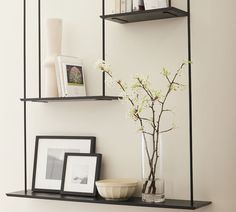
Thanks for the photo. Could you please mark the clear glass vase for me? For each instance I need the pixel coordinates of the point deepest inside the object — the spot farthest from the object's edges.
(153, 185)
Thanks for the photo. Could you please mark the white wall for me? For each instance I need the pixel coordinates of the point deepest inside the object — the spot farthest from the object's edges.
(140, 47)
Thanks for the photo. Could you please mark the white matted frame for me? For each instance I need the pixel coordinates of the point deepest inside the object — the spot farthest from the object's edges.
(80, 172)
(49, 159)
(70, 76)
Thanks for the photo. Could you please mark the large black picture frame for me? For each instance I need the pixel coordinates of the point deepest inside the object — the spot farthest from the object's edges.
(45, 147)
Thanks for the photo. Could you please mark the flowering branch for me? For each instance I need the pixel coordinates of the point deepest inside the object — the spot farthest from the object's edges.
(143, 99)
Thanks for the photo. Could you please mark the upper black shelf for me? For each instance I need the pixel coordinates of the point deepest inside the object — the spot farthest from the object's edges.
(136, 201)
(70, 99)
(146, 15)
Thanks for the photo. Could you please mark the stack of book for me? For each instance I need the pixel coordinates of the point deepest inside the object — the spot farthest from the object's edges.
(125, 6)
(122, 6)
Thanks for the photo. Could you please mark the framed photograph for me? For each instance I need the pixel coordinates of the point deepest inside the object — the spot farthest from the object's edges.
(49, 159)
(70, 76)
(80, 172)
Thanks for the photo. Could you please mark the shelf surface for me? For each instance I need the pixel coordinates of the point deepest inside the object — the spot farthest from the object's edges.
(136, 201)
(146, 15)
(68, 99)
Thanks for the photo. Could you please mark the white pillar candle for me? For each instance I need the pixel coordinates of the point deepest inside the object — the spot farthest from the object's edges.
(53, 42)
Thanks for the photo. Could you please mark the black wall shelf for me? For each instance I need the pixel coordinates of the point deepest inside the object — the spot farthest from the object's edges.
(72, 99)
(146, 15)
(163, 13)
(169, 203)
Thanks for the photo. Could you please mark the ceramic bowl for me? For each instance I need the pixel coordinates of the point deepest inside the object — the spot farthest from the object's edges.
(116, 189)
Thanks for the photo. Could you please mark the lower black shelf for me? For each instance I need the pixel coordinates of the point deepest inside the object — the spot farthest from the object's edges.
(136, 201)
(69, 99)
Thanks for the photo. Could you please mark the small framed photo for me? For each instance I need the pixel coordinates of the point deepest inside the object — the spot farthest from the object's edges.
(49, 159)
(70, 76)
(80, 172)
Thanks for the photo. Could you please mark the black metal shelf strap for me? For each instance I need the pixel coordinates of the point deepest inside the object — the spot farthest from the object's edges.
(39, 48)
(190, 101)
(103, 47)
(25, 94)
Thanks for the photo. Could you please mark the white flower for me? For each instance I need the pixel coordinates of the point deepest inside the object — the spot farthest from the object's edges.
(103, 66)
(156, 94)
(165, 72)
(133, 113)
(145, 103)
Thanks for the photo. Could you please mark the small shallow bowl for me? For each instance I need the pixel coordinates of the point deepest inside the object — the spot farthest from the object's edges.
(116, 189)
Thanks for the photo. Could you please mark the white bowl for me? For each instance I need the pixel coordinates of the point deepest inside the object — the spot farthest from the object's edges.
(116, 189)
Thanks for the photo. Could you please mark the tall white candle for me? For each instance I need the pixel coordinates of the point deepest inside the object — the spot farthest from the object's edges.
(53, 41)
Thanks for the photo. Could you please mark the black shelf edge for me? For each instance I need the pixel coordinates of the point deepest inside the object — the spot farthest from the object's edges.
(136, 201)
(146, 15)
(69, 99)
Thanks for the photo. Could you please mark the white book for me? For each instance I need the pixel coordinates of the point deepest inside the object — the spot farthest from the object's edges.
(123, 6)
(111, 6)
(162, 3)
(155, 4)
(137, 5)
(117, 6)
(128, 6)
(150, 4)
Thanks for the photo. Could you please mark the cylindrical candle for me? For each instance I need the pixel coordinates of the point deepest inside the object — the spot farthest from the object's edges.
(53, 42)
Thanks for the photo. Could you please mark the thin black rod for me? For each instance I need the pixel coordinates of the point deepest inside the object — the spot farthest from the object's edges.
(24, 90)
(169, 3)
(39, 45)
(103, 47)
(190, 103)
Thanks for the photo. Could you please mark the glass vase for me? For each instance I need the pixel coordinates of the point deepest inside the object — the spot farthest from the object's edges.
(153, 186)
